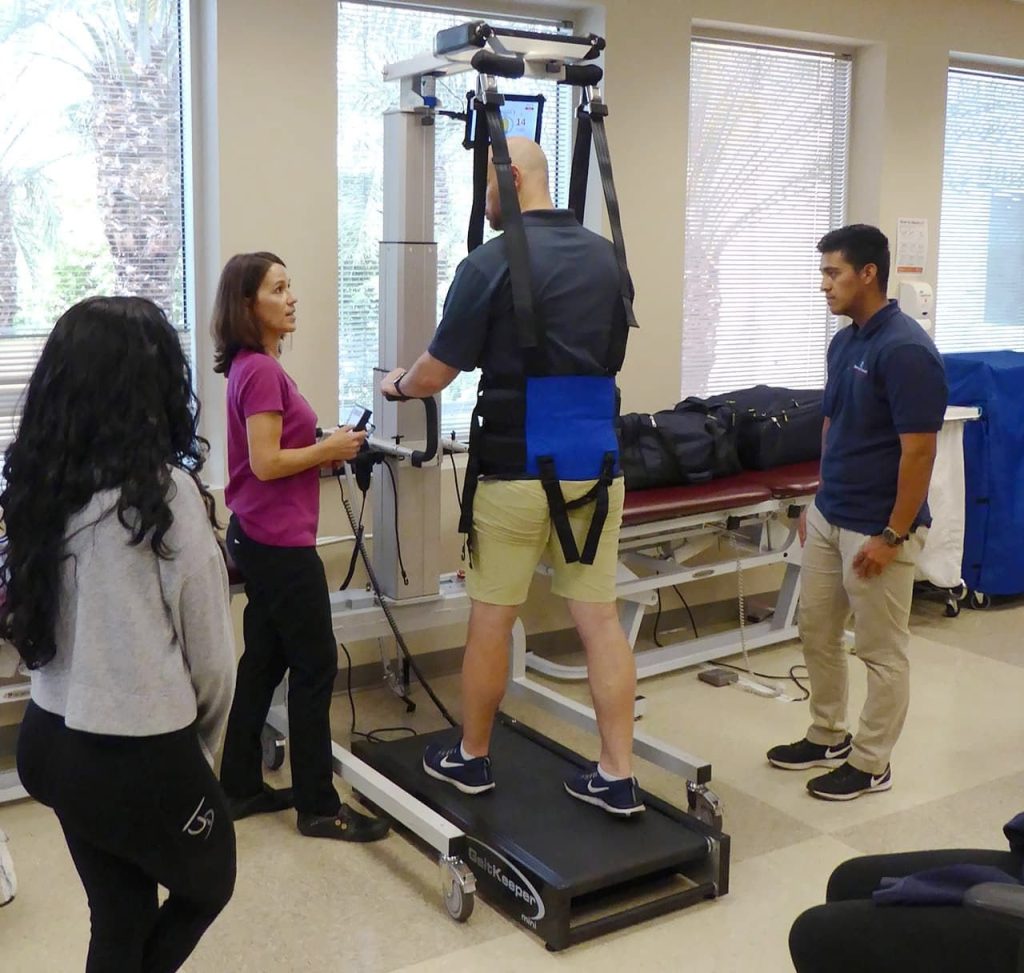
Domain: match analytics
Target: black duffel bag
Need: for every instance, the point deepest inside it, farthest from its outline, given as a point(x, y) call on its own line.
point(692, 443)
point(774, 426)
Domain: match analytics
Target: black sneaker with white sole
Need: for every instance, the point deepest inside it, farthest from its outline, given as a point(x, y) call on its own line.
point(847, 782)
point(803, 754)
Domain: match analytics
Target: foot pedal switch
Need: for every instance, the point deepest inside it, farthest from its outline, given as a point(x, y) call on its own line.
point(718, 677)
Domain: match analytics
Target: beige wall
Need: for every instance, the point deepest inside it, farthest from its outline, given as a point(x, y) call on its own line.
point(271, 124)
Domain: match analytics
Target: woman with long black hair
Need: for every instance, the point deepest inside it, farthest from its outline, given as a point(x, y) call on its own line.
point(116, 599)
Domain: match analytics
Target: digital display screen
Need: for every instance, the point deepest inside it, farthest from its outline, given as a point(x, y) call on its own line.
point(522, 115)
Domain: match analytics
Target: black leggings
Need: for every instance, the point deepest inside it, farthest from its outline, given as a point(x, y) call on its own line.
point(137, 812)
point(850, 934)
point(287, 627)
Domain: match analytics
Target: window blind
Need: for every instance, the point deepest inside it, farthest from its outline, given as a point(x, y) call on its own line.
point(766, 179)
point(91, 169)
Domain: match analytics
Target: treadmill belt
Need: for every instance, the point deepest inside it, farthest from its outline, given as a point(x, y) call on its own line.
point(530, 817)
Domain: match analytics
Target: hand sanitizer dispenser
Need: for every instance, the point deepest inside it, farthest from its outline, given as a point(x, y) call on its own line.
point(915, 299)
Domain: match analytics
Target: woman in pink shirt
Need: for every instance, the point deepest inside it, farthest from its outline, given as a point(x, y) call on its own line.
point(273, 493)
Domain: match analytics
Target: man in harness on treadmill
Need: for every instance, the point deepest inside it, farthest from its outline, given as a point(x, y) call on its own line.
point(543, 479)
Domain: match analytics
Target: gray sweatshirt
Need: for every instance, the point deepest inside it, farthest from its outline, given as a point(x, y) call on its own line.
point(144, 645)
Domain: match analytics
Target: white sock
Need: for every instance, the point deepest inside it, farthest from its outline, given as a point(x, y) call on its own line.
point(611, 778)
point(463, 754)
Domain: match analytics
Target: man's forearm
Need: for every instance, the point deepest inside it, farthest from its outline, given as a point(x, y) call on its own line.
point(912, 488)
point(427, 376)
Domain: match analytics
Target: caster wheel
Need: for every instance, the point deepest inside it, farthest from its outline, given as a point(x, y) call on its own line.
point(273, 748)
point(980, 601)
point(458, 888)
point(952, 609)
point(458, 902)
point(960, 592)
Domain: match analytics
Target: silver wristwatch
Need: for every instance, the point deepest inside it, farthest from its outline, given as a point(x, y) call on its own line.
point(892, 538)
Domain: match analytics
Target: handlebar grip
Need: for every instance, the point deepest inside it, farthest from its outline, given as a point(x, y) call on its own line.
point(421, 456)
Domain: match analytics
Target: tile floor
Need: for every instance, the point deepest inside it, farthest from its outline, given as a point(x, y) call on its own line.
point(306, 905)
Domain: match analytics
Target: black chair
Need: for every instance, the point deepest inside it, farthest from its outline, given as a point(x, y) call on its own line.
point(1000, 903)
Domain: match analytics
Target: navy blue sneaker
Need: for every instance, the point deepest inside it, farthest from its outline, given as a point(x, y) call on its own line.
point(471, 776)
point(614, 796)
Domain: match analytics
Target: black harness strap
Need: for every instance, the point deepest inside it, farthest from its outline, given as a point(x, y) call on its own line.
point(481, 144)
point(580, 173)
point(530, 336)
point(472, 475)
point(559, 509)
point(598, 112)
point(599, 494)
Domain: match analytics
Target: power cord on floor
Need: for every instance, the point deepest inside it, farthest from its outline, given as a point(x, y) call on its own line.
point(679, 595)
point(657, 615)
point(657, 619)
point(792, 675)
point(751, 685)
point(767, 675)
point(373, 736)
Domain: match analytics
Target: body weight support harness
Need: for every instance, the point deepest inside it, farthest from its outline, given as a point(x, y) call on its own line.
point(509, 406)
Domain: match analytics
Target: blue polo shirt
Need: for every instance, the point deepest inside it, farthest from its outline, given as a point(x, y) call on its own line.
point(575, 281)
point(885, 378)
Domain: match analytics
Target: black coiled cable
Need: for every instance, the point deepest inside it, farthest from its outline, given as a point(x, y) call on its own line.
point(387, 611)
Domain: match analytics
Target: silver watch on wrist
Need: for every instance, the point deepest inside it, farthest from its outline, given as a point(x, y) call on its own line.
point(892, 538)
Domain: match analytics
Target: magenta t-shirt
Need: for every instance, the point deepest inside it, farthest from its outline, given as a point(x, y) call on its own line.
point(283, 512)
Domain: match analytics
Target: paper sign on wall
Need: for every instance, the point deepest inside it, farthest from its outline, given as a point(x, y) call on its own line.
point(911, 245)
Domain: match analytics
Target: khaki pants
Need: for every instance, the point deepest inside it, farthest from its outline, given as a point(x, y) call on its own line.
point(829, 592)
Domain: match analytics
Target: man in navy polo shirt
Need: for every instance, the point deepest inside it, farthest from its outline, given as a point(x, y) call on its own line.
point(574, 277)
point(884, 404)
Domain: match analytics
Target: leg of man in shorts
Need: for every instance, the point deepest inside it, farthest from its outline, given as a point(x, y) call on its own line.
point(512, 532)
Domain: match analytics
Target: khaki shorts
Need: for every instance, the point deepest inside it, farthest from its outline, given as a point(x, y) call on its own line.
point(513, 533)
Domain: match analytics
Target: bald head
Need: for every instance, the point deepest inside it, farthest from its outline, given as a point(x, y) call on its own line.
point(530, 174)
point(529, 158)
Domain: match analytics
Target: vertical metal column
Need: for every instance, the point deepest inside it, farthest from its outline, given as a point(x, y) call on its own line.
point(408, 311)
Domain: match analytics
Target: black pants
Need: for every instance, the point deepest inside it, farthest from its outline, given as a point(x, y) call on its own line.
point(137, 812)
point(850, 934)
point(287, 626)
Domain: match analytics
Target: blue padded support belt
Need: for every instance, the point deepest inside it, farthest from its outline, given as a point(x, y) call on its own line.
point(570, 418)
point(570, 435)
